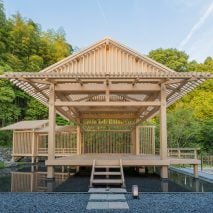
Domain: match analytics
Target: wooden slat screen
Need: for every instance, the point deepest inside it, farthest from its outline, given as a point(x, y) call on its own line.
point(107, 141)
point(22, 142)
point(146, 139)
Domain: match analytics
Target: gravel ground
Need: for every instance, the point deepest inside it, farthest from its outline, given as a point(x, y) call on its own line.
point(77, 202)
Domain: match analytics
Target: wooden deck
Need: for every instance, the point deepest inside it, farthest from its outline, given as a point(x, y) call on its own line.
point(111, 159)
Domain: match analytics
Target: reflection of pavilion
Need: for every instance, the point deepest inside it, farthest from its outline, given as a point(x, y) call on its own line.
point(35, 181)
point(188, 182)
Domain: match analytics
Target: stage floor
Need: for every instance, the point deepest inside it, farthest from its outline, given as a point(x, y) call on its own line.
point(112, 159)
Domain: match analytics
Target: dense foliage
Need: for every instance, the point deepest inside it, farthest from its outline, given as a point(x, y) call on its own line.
point(190, 120)
point(25, 47)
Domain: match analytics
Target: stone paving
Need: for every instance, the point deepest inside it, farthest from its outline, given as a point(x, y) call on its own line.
point(106, 199)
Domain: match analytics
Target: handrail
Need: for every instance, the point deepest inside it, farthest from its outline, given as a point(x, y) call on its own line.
point(92, 173)
point(122, 174)
point(183, 152)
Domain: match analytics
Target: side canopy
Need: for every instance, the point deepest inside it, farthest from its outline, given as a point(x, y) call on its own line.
point(107, 80)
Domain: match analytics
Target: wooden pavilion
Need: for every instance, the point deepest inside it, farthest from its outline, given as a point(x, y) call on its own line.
point(107, 90)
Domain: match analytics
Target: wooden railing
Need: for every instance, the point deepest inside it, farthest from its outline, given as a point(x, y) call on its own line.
point(207, 160)
point(183, 153)
point(65, 150)
point(44, 151)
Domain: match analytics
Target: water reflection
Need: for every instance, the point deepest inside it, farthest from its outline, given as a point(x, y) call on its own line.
point(164, 186)
point(190, 183)
point(36, 181)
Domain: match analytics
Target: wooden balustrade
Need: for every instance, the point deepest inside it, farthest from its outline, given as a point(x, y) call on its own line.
point(183, 153)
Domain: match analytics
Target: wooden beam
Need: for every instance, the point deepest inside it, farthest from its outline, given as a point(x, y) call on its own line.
point(149, 114)
point(37, 89)
point(106, 115)
point(65, 114)
point(108, 109)
point(63, 97)
point(38, 81)
point(112, 103)
point(177, 89)
point(148, 98)
point(113, 88)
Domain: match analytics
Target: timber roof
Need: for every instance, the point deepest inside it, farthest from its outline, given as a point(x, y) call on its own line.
point(106, 77)
point(23, 125)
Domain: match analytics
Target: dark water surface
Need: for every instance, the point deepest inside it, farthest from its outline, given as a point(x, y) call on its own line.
point(32, 179)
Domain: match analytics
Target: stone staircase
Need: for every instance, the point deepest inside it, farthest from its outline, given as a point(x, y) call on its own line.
point(104, 173)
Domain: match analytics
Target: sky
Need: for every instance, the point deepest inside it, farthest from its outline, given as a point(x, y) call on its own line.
point(143, 25)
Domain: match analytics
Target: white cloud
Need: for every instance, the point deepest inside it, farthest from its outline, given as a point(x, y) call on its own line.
point(201, 48)
point(102, 11)
point(197, 25)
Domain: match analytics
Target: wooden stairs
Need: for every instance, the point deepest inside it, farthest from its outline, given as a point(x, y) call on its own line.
point(103, 174)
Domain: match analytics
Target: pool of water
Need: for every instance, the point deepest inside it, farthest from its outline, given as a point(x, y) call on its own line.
point(32, 179)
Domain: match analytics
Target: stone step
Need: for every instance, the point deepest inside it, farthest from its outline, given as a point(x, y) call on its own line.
point(107, 205)
point(107, 197)
point(107, 181)
point(107, 190)
point(106, 166)
point(107, 173)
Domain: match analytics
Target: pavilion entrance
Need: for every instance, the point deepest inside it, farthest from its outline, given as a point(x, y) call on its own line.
point(107, 141)
point(116, 136)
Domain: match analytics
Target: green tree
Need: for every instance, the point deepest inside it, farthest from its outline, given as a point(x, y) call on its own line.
point(172, 58)
point(8, 110)
point(36, 110)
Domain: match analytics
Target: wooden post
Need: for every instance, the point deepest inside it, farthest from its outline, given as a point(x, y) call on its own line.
point(51, 132)
point(33, 146)
point(195, 153)
point(163, 131)
point(179, 156)
point(195, 169)
point(13, 151)
point(133, 141)
point(137, 141)
point(153, 140)
point(78, 138)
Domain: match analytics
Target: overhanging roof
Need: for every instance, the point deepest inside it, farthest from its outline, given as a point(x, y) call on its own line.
point(107, 69)
point(23, 125)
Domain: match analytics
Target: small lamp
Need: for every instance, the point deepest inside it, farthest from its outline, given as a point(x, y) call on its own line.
point(135, 193)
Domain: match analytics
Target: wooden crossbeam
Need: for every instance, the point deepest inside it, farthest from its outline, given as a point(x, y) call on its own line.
point(113, 88)
point(62, 97)
point(38, 89)
point(107, 115)
point(176, 89)
point(111, 103)
point(148, 98)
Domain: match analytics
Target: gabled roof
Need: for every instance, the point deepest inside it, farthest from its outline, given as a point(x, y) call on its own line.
point(23, 125)
point(118, 52)
point(94, 67)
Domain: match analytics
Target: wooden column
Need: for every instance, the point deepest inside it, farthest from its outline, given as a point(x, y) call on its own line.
point(33, 147)
point(137, 141)
point(195, 170)
point(78, 137)
point(163, 131)
point(153, 140)
point(133, 141)
point(13, 151)
point(51, 132)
